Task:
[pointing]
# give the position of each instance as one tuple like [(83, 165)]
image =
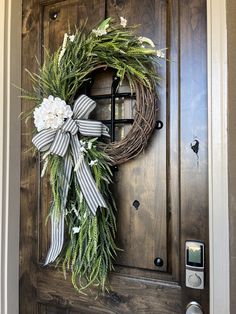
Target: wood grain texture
[(169, 180), (145, 236), (29, 169), (127, 296), (193, 126), (173, 140), (62, 15)]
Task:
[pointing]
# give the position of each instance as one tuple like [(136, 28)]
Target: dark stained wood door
[(170, 180)]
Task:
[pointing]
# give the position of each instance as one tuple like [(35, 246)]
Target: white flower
[(81, 197), (90, 144), (99, 32), (72, 38), (51, 113), (93, 163), (76, 230), (123, 21), (83, 143), (83, 149), (64, 40), (75, 211), (146, 40), (160, 54), (63, 48)]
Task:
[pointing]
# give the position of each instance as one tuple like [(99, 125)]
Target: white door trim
[(218, 157), (10, 72)]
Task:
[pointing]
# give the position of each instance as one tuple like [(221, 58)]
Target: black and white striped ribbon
[(57, 142), (57, 221)]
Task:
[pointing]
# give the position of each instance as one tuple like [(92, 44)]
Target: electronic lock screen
[(194, 254)]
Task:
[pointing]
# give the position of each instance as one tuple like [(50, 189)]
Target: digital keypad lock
[(194, 259)]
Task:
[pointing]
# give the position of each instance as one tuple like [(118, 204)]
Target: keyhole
[(195, 146), (136, 204)]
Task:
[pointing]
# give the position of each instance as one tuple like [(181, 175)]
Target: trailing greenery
[(89, 249), (88, 254)]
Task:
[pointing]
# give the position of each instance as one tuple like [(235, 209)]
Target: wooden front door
[(169, 181)]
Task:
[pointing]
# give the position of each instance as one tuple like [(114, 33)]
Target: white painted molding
[(10, 73), (218, 157)]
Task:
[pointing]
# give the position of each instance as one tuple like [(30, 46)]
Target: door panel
[(147, 180), (58, 16), (169, 179)]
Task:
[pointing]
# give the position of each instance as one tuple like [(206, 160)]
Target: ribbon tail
[(85, 179), (57, 237), (57, 223)]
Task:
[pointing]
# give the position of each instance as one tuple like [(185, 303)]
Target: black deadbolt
[(158, 262)]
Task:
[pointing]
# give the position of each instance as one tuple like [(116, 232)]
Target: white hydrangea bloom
[(51, 113)]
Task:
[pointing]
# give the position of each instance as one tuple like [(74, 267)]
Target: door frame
[(10, 72), (218, 157), (10, 106)]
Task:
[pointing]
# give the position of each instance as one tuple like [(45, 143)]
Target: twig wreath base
[(144, 123), (83, 220)]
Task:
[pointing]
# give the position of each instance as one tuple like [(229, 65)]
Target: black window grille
[(113, 96)]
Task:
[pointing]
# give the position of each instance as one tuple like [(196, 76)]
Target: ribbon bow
[(57, 142)]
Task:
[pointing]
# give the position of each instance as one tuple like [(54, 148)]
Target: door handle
[(193, 308)]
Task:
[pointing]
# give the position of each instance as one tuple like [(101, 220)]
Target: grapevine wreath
[(77, 160)]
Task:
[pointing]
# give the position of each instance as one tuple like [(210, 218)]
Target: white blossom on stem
[(99, 32), (123, 21), (76, 230), (145, 40), (160, 54), (72, 38), (63, 48), (93, 163)]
